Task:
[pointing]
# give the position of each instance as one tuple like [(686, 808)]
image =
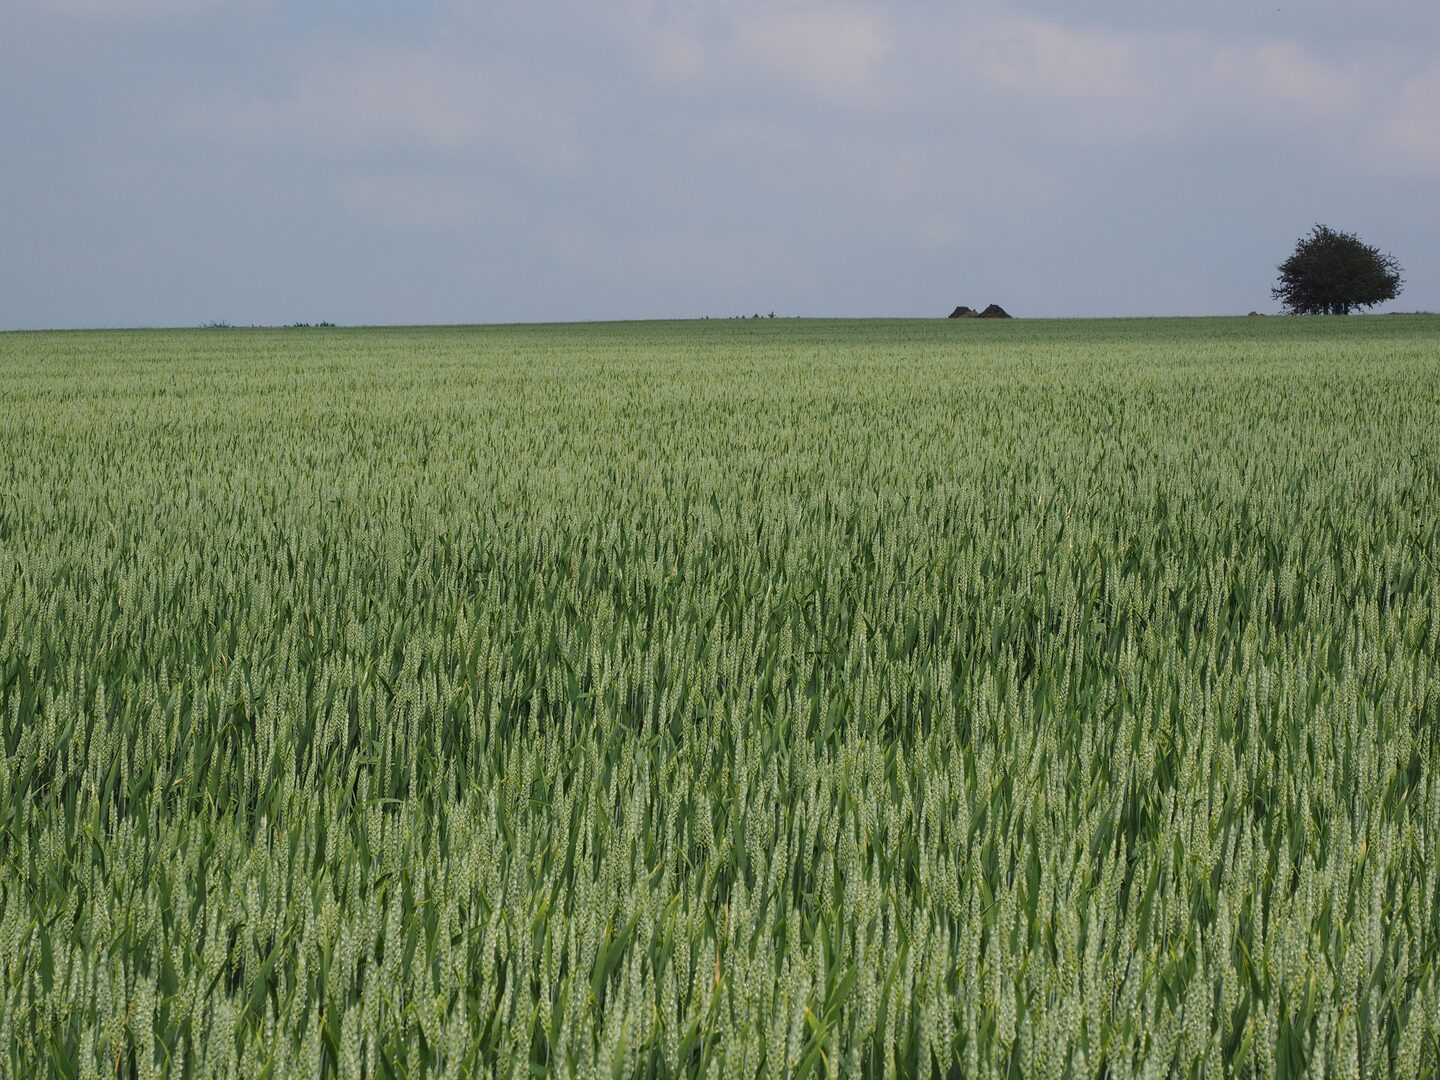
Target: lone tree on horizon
[(1331, 273)]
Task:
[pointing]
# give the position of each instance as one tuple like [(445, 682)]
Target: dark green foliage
[(1334, 273)]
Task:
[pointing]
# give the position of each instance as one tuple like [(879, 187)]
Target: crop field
[(724, 699)]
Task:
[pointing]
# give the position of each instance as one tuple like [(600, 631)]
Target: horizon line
[(141, 328)]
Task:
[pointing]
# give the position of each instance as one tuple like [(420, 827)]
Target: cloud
[(1076, 82), (1407, 135), (833, 54), (702, 254), (397, 99), (949, 176), (829, 53), (752, 137), (1069, 83), (416, 201), (120, 10), (936, 230), (818, 153), (1035, 58), (669, 45), (1280, 82)]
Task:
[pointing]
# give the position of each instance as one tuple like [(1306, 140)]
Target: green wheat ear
[(782, 699)]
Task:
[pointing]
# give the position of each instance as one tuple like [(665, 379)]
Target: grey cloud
[(1409, 135), (389, 99), (448, 161), (408, 201), (116, 10), (831, 52)]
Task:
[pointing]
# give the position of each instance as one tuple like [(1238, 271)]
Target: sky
[(175, 162)]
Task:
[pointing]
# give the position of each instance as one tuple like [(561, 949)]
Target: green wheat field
[(724, 699)]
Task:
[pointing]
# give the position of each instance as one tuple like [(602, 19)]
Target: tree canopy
[(1333, 273)]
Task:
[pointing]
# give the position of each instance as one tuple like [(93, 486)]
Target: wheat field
[(723, 699)]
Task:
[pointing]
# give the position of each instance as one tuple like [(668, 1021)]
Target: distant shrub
[(1334, 273)]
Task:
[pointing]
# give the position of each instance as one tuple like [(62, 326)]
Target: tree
[(1332, 273)]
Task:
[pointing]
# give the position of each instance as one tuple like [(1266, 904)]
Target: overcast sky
[(170, 162)]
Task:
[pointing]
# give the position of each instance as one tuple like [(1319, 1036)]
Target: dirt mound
[(994, 311), (963, 312)]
